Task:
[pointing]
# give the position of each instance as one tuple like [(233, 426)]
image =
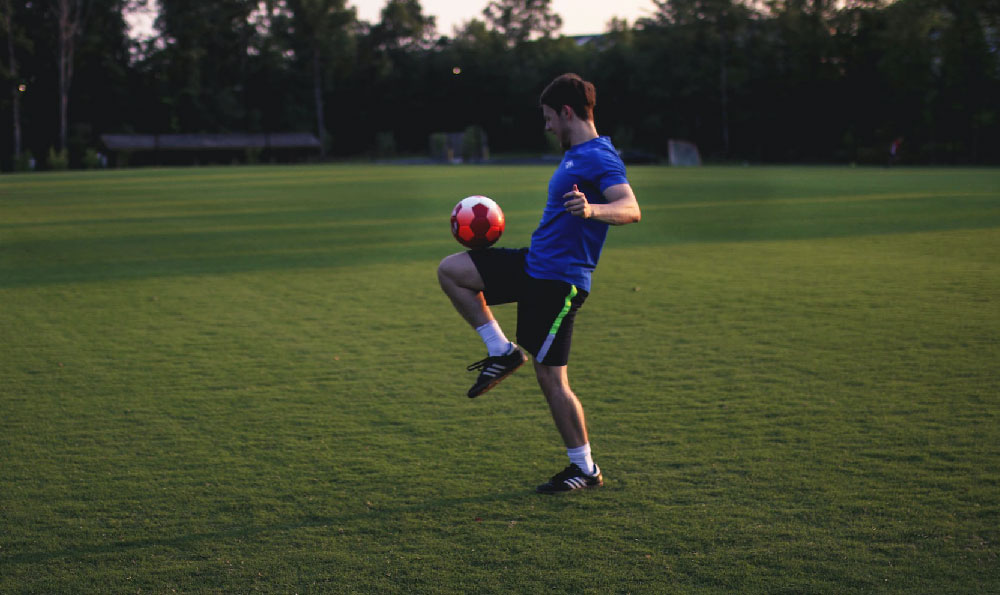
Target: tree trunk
[(724, 94), (70, 18), (318, 96), (15, 86)]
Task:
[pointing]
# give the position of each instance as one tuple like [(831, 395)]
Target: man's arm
[(620, 209)]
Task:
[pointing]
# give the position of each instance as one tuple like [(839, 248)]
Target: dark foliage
[(779, 81)]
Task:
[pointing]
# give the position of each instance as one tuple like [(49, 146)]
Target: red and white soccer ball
[(477, 222)]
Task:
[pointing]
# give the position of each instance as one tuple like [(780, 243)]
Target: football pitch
[(235, 380)]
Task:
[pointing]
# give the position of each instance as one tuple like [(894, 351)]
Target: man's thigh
[(460, 270), (502, 271), (545, 317)]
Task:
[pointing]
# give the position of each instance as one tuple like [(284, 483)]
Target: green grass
[(247, 380)]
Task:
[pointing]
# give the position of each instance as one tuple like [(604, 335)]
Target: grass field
[(247, 380)]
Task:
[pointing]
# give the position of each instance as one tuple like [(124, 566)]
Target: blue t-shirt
[(564, 247)]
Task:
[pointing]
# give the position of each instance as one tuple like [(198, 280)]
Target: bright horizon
[(580, 17)]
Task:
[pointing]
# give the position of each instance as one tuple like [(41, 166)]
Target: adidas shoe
[(494, 369), (571, 478)]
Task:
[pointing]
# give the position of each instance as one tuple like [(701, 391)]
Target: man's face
[(556, 124)]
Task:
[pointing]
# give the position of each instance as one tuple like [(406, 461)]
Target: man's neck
[(583, 131)]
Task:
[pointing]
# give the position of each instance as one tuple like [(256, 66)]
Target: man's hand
[(576, 204)]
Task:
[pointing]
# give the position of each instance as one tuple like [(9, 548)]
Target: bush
[(58, 160), (439, 146), (385, 144), (24, 162), (91, 159), (474, 148)]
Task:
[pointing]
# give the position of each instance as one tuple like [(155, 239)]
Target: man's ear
[(567, 112)]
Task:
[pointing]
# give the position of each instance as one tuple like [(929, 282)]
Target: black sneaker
[(571, 478), (494, 369)]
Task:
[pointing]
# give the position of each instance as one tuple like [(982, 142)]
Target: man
[(551, 279)]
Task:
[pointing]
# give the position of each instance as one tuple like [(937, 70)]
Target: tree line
[(753, 80)]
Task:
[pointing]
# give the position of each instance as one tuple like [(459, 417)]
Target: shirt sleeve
[(611, 171)]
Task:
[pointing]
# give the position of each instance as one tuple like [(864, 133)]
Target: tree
[(708, 30), (101, 97), (15, 88), (763, 80), (70, 18), (321, 23), (404, 26), (520, 20), (203, 66)]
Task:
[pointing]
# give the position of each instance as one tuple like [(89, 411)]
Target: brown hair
[(570, 89)]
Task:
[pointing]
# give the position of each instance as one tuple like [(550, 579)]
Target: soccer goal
[(683, 153)]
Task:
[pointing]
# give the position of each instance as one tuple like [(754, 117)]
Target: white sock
[(581, 457), (496, 341)]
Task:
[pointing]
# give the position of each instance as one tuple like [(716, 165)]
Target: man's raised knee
[(458, 269)]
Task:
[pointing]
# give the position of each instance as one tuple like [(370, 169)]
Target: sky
[(580, 17)]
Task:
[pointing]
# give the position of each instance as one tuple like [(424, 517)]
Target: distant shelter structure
[(207, 149)]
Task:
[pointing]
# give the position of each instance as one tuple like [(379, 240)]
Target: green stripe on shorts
[(544, 351), (565, 310)]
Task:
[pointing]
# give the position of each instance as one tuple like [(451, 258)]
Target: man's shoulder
[(598, 150), (600, 158), (598, 144)]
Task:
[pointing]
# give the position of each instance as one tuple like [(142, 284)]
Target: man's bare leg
[(567, 412), (462, 283)]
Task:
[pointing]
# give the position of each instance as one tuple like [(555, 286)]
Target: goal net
[(683, 153)]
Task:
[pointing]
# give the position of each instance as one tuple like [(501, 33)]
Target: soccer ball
[(477, 222)]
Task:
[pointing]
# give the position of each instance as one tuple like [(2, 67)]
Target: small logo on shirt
[(569, 164)]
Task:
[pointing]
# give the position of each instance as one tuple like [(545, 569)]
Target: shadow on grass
[(254, 530), (313, 240)]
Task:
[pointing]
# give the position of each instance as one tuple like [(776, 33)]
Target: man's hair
[(570, 89)]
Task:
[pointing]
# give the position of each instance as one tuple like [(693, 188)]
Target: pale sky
[(580, 17)]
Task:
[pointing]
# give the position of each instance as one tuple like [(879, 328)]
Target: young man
[(551, 279)]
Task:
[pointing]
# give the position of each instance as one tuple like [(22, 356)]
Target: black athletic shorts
[(545, 308)]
